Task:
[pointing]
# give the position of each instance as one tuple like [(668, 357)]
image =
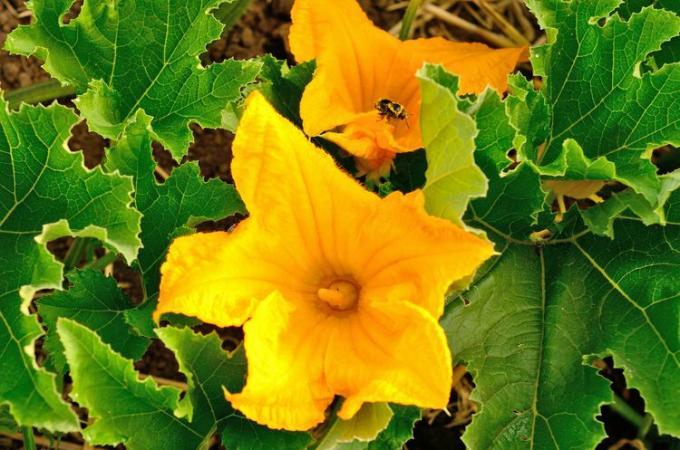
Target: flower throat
[(340, 295)]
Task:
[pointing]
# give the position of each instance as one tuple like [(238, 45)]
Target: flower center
[(340, 295)]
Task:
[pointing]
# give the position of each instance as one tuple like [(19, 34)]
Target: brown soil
[(16, 71)]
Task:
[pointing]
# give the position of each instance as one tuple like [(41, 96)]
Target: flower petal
[(389, 351), (354, 61), (358, 64), (217, 277), (312, 17), (294, 189), (371, 140), (426, 252), (285, 346), (477, 65), (371, 159)]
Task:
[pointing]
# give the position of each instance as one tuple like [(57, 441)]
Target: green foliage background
[(530, 327)]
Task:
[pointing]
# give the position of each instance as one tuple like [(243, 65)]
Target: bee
[(387, 109)]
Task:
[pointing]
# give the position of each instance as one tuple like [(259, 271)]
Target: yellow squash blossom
[(359, 64), (339, 290)]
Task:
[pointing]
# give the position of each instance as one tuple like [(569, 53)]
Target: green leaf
[(140, 318), (95, 301), (409, 169), (7, 423), (283, 86), (449, 141), (514, 197), (230, 12), (128, 55), (399, 430), (600, 218), (122, 409), (529, 114), (596, 92), (365, 426), (182, 201), (534, 321), (208, 369), (670, 51), (242, 434), (46, 193), (630, 7)]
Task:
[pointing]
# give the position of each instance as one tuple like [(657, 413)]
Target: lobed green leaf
[(170, 208), (128, 55), (597, 93), (95, 301), (452, 177), (283, 86), (46, 193), (122, 408), (514, 198), (536, 319)]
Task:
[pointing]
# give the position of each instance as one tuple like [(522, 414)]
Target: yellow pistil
[(340, 295)]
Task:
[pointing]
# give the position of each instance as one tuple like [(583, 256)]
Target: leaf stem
[(29, 438), (323, 430), (38, 92), (409, 16)]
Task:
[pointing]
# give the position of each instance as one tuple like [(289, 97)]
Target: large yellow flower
[(359, 64), (339, 290)]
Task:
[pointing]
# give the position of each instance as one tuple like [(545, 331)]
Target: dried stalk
[(527, 27), (161, 172), (165, 381), (503, 23), (484, 22), (491, 37), (10, 7)]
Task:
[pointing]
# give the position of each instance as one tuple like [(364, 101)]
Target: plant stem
[(409, 16), (75, 253), (647, 422), (29, 438), (328, 425), (229, 13), (102, 262), (39, 92), (627, 412)]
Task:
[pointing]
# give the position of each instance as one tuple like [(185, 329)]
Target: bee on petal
[(335, 104), (387, 109)]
